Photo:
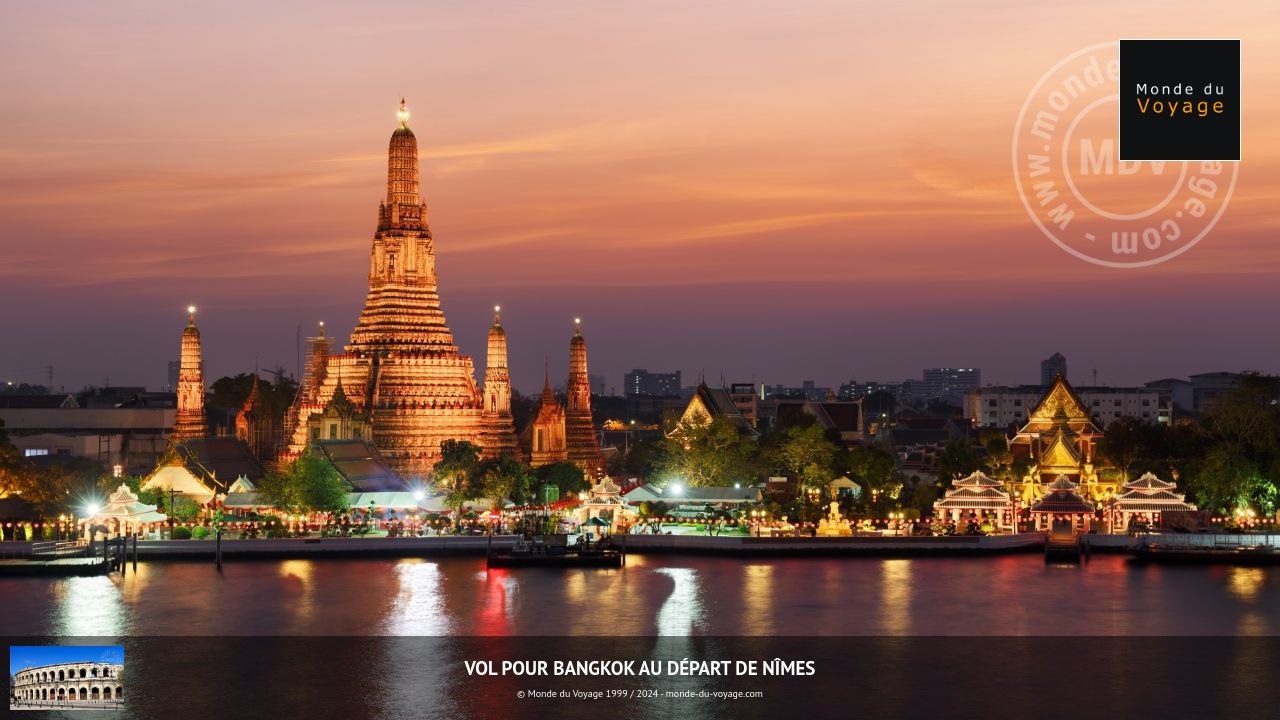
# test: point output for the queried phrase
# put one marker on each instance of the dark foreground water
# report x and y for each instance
(894, 638)
(672, 596)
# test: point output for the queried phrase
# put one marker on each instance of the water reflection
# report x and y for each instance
(89, 606)
(418, 608)
(682, 611)
(691, 597)
(757, 599)
(895, 597)
(1246, 582)
(497, 602)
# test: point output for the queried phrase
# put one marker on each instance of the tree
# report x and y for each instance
(705, 452)
(457, 473)
(873, 467)
(504, 477)
(308, 484)
(1123, 443)
(53, 489)
(957, 459)
(809, 455)
(567, 477)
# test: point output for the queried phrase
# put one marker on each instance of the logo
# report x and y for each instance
(1082, 196)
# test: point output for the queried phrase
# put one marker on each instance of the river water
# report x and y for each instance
(652, 595)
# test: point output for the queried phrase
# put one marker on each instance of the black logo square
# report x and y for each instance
(1179, 100)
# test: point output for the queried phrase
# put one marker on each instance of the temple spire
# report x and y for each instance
(403, 115)
(189, 422)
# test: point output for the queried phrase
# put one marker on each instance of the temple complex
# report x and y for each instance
(1059, 439)
(190, 422)
(401, 371)
(580, 432)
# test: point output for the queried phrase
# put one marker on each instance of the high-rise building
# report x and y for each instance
(1051, 367)
(175, 366)
(655, 384)
(949, 383)
(190, 422)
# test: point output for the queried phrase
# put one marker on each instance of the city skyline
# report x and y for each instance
(774, 229)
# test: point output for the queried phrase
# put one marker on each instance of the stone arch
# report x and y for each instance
(106, 693)
(95, 693)
(119, 692)
(93, 672)
(44, 694)
(62, 675)
(82, 673)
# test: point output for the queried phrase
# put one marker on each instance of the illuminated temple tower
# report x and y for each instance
(401, 370)
(498, 434)
(580, 432)
(190, 422)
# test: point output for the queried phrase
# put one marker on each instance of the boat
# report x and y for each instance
(557, 551)
(1226, 549)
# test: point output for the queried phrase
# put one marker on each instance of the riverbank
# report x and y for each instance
(636, 544)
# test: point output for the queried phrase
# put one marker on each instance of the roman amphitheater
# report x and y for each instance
(68, 682)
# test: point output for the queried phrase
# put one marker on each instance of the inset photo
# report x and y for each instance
(66, 677)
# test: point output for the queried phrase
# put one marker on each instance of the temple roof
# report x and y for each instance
(978, 479)
(1064, 503)
(360, 465)
(1149, 482)
(1061, 398)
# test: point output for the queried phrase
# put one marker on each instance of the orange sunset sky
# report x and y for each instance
(774, 191)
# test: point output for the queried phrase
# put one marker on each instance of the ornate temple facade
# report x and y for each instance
(190, 422)
(258, 426)
(401, 370)
(545, 437)
(1059, 439)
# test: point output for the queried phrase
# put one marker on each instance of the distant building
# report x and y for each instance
(1198, 394)
(641, 382)
(598, 385)
(808, 390)
(948, 383)
(744, 397)
(1003, 406)
(854, 390)
(1051, 367)
(175, 367)
(132, 437)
